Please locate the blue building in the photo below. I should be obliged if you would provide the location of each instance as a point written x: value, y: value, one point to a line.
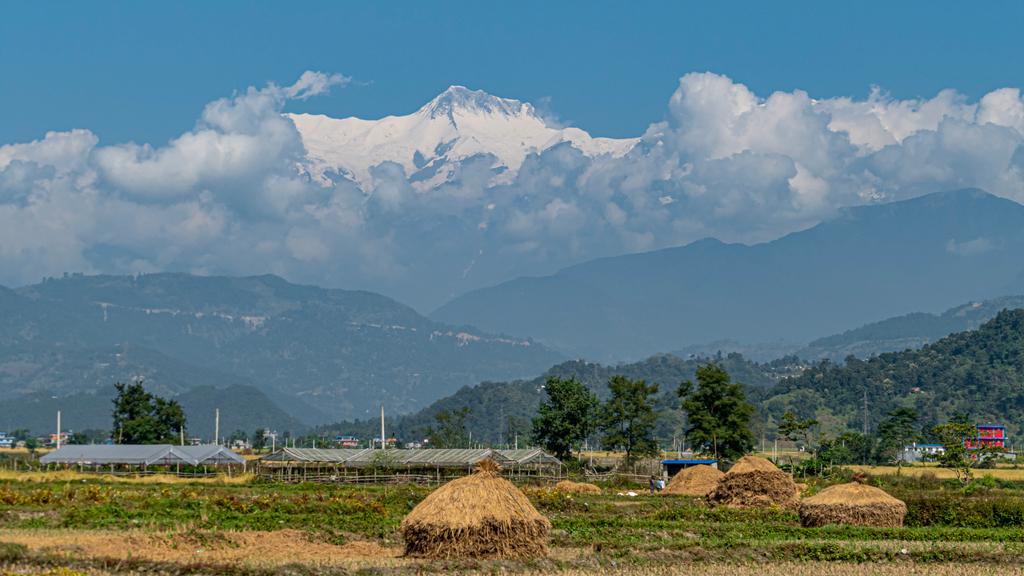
x: 673, y: 467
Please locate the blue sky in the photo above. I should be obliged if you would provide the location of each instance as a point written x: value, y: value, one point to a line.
x: 145, y: 136
x: 142, y: 71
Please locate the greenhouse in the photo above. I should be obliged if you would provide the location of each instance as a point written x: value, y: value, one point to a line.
x: 141, y: 456
x: 426, y: 464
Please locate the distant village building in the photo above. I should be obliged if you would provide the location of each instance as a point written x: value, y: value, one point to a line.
x: 988, y: 437
x: 51, y: 441
x: 6, y: 441
x: 390, y: 443
x: 923, y: 452
x: 347, y: 441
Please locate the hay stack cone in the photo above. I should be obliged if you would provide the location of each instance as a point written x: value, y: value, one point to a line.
x: 478, y: 516
x: 697, y: 480
x: 570, y: 487
x: 853, y: 503
x: 754, y: 482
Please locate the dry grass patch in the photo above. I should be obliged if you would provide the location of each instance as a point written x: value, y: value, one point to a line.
x: 73, y: 476
x: 253, y: 548
x: 570, y: 487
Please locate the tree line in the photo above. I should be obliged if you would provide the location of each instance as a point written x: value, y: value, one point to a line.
x: 717, y: 411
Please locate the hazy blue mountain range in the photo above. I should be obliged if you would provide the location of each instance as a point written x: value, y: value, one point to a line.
x: 320, y: 354
x: 904, y: 332
x: 242, y: 408
x: 978, y: 372
x: 868, y: 264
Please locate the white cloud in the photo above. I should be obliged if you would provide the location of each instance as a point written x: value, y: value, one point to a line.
x: 229, y: 196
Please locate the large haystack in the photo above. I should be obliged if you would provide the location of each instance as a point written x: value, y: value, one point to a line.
x: 853, y: 503
x: 478, y: 516
x: 570, y: 487
x: 754, y: 482
x: 697, y: 480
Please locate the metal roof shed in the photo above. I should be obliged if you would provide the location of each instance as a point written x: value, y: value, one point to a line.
x: 208, y: 455
x: 102, y: 454
x: 141, y: 455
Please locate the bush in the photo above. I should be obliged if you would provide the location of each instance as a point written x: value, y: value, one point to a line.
x: 963, y: 510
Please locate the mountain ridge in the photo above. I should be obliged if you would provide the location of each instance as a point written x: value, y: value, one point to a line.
x: 934, y: 252
x: 318, y: 351
x: 457, y: 125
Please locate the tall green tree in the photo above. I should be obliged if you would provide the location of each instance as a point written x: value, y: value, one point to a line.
x: 142, y: 418
x: 450, y: 429
x: 954, y: 455
x: 895, y: 432
x: 628, y: 418
x: 259, y: 439
x: 566, y: 418
x: 718, y: 414
x: 796, y: 429
x: 847, y: 448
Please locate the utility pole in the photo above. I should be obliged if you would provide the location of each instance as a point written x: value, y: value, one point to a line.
x: 863, y: 458
x: 216, y: 426
x: 58, y: 429
x: 181, y: 433
x: 383, y: 441
x: 865, y: 413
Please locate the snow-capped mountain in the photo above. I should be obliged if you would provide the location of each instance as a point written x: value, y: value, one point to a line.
x: 430, y: 143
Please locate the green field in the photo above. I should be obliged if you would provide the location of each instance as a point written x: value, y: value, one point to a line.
x: 92, y: 525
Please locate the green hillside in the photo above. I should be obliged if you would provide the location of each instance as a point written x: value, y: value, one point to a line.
x: 979, y: 373
x: 320, y: 354
x: 498, y: 411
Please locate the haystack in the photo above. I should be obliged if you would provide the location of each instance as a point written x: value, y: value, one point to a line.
x: 754, y: 482
x: 853, y: 503
x: 570, y: 487
x: 697, y: 480
x: 478, y: 516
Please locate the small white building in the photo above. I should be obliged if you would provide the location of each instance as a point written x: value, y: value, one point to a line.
x: 922, y: 452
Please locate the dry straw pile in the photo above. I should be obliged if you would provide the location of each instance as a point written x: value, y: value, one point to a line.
x: 755, y: 483
x: 853, y: 503
x: 697, y: 480
x: 478, y: 516
x: 570, y: 487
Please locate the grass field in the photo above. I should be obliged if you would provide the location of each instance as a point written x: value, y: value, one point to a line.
x: 1014, y: 474
x: 92, y: 525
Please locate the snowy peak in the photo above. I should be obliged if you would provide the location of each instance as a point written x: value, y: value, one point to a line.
x: 462, y: 100
x: 431, y: 143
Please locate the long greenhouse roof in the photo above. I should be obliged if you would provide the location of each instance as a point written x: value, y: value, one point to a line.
x: 427, y: 457
x: 142, y: 455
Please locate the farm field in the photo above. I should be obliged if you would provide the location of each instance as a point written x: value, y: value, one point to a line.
x: 79, y: 524
x: 1013, y: 474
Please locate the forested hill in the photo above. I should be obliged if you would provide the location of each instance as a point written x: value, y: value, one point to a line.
x: 320, y: 354
x: 978, y: 373
x: 500, y: 410
x: 907, y: 331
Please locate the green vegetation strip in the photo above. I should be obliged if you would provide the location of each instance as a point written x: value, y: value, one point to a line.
x: 974, y: 525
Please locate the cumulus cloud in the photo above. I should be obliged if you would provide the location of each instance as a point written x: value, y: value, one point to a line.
x: 233, y: 195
